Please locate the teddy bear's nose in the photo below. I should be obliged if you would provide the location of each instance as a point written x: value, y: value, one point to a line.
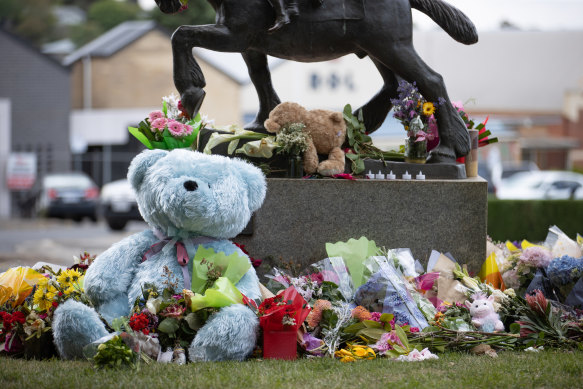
x: 190, y: 186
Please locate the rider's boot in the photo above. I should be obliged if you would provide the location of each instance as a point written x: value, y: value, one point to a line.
x: 281, y: 15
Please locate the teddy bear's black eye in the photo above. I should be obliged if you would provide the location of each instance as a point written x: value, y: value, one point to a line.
x: 190, y: 186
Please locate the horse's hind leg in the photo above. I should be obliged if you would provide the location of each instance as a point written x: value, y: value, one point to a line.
x: 454, y: 140
x: 188, y: 77
x: 375, y: 111
x: 261, y: 78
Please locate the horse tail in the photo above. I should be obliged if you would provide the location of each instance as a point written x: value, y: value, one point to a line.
x: 451, y: 19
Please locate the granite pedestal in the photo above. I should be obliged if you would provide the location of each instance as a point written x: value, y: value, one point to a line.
x: 299, y: 216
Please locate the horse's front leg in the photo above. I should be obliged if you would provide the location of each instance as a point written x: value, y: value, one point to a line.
x: 261, y: 78
x: 188, y: 77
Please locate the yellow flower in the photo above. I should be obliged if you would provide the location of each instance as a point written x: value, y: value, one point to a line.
x: 68, y: 277
x: 359, y: 352
x: 428, y: 108
x: 42, y: 283
x: 342, y: 353
x: 42, y: 300
x: 347, y: 359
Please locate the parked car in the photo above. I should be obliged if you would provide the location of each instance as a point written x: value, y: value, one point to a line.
x: 118, y: 204
x: 71, y: 195
x: 542, y: 185
x: 506, y: 170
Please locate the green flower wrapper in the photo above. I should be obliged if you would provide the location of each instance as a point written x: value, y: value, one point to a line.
x: 232, y: 267
x: 168, y: 142
x: 223, y: 291
x: 222, y: 294
x: 354, y: 252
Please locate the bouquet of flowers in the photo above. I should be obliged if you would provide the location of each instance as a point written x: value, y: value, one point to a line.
x: 284, y: 312
x: 170, y: 128
x: 415, y: 112
x: 29, y: 299
x: 483, y: 137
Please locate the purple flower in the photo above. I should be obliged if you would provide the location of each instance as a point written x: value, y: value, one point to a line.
x: 312, y: 344
x: 535, y: 256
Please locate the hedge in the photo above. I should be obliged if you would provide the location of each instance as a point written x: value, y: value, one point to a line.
x: 531, y: 219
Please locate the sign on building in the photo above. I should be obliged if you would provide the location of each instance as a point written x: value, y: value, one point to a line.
x: 21, y: 171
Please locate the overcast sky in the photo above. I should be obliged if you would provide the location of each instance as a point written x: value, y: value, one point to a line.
x: 525, y: 14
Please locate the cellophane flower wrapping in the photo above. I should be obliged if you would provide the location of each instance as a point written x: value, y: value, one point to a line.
x: 560, y: 244
x: 386, y: 292
x: 16, y: 283
x: 335, y: 270
x: 354, y: 252
x: 284, y: 312
x: 232, y: 266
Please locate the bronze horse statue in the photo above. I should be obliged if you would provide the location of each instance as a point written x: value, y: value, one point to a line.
x: 379, y: 29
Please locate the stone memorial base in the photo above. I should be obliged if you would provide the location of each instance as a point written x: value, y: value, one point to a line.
x: 299, y: 216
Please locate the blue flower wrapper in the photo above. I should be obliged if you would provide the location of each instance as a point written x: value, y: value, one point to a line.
x: 386, y: 292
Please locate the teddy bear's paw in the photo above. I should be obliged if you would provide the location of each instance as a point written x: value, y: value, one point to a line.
x: 230, y: 334
x: 329, y: 168
x: 75, y: 325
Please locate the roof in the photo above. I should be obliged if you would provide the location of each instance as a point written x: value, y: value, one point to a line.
x: 232, y: 64
x: 112, y: 41
x: 28, y: 46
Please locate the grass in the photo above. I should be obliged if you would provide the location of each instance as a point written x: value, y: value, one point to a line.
x: 549, y: 369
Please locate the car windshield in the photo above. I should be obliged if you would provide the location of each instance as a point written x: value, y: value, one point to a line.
x: 524, y: 179
x: 68, y: 181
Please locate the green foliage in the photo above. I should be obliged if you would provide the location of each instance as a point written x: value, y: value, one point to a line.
x: 109, y: 13
x: 531, y: 219
x: 114, y: 354
x: 361, y: 143
x: 32, y: 20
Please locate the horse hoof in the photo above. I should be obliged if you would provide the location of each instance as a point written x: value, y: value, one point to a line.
x: 256, y: 127
x: 441, y: 155
x: 191, y: 100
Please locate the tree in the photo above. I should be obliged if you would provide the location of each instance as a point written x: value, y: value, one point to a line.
x: 198, y: 12
x: 33, y: 20
x: 103, y: 15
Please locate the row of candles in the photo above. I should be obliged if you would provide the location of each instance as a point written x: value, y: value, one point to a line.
x: 391, y: 176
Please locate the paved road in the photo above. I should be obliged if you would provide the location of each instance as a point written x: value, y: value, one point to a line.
x: 26, y: 242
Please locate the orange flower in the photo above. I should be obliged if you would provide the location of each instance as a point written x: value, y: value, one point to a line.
x: 361, y: 313
x: 315, y: 314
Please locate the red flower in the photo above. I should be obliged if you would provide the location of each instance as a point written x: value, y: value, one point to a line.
x: 524, y: 331
x: 537, y: 302
x: 346, y: 176
x: 140, y: 322
x: 413, y: 329
x: 18, y: 317
x: 55, y: 304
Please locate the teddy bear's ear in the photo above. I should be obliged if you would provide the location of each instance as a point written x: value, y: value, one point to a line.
x: 336, y: 117
x: 271, y: 126
x: 140, y: 165
x: 256, y: 185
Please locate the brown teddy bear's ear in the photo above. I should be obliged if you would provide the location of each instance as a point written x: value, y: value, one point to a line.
x: 336, y: 117
x: 272, y: 126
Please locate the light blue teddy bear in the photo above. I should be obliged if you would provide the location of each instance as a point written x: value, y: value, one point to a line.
x: 184, y: 196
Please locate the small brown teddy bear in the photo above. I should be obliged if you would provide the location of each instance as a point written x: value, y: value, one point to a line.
x: 327, y: 131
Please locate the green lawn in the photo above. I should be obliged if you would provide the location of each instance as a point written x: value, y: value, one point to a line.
x: 549, y: 369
